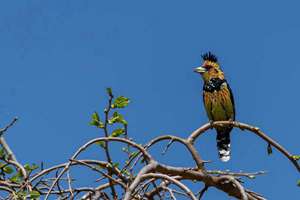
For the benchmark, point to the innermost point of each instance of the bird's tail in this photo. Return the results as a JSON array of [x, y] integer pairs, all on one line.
[[223, 143]]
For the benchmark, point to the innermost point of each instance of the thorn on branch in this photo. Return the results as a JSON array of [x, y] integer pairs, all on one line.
[[201, 193], [167, 147], [206, 161], [3, 130], [269, 149]]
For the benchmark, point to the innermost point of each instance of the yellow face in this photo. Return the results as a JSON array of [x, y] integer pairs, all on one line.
[[210, 70]]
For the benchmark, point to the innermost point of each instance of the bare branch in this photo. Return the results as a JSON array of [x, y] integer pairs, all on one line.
[[236, 174], [106, 146], [189, 146], [170, 179], [46, 171], [243, 194], [3, 130], [11, 156], [82, 148], [5, 146], [110, 178], [148, 168], [70, 185], [136, 187], [243, 126], [201, 193]]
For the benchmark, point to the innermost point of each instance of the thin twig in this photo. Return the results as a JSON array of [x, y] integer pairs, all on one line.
[[250, 175], [85, 146], [3, 130], [167, 147], [174, 181], [106, 147], [5, 146], [201, 193], [235, 183], [70, 185], [109, 177]]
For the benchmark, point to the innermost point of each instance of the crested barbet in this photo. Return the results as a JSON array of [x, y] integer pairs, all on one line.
[[218, 101]]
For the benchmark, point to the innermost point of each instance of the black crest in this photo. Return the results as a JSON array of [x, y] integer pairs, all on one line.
[[210, 57]]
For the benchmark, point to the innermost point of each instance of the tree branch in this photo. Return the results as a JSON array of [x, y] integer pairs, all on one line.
[[250, 128], [172, 180]]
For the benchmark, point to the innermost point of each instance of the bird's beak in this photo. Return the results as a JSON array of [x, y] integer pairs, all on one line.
[[200, 70]]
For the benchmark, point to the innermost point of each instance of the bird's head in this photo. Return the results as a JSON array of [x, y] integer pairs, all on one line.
[[210, 67]]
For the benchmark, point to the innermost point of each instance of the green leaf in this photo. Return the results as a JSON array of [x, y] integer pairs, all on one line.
[[101, 144], [27, 167], [96, 121], [2, 165], [296, 157], [116, 165], [117, 118], [117, 132], [30, 168], [21, 195], [143, 160], [100, 125], [34, 166], [97, 124], [134, 154], [109, 92], [298, 184], [95, 116], [17, 178], [125, 172], [34, 194], [8, 170], [120, 102], [2, 153]]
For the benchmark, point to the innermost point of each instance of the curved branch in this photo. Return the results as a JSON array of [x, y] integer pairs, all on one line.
[[250, 175], [109, 177], [3, 130], [148, 168], [208, 180], [250, 128], [103, 164], [97, 189], [189, 146], [237, 184], [11, 156], [82, 148], [170, 179], [7, 189]]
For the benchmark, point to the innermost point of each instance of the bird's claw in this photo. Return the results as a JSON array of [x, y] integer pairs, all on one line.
[[231, 121], [211, 122]]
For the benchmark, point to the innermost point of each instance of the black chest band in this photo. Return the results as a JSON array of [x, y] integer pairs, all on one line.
[[213, 84]]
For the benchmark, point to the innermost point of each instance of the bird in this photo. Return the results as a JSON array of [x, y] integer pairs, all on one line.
[[218, 101]]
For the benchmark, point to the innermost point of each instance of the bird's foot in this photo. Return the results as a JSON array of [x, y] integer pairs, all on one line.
[[231, 121], [211, 122]]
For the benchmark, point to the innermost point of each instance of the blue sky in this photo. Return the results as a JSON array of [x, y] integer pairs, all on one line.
[[57, 57]]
